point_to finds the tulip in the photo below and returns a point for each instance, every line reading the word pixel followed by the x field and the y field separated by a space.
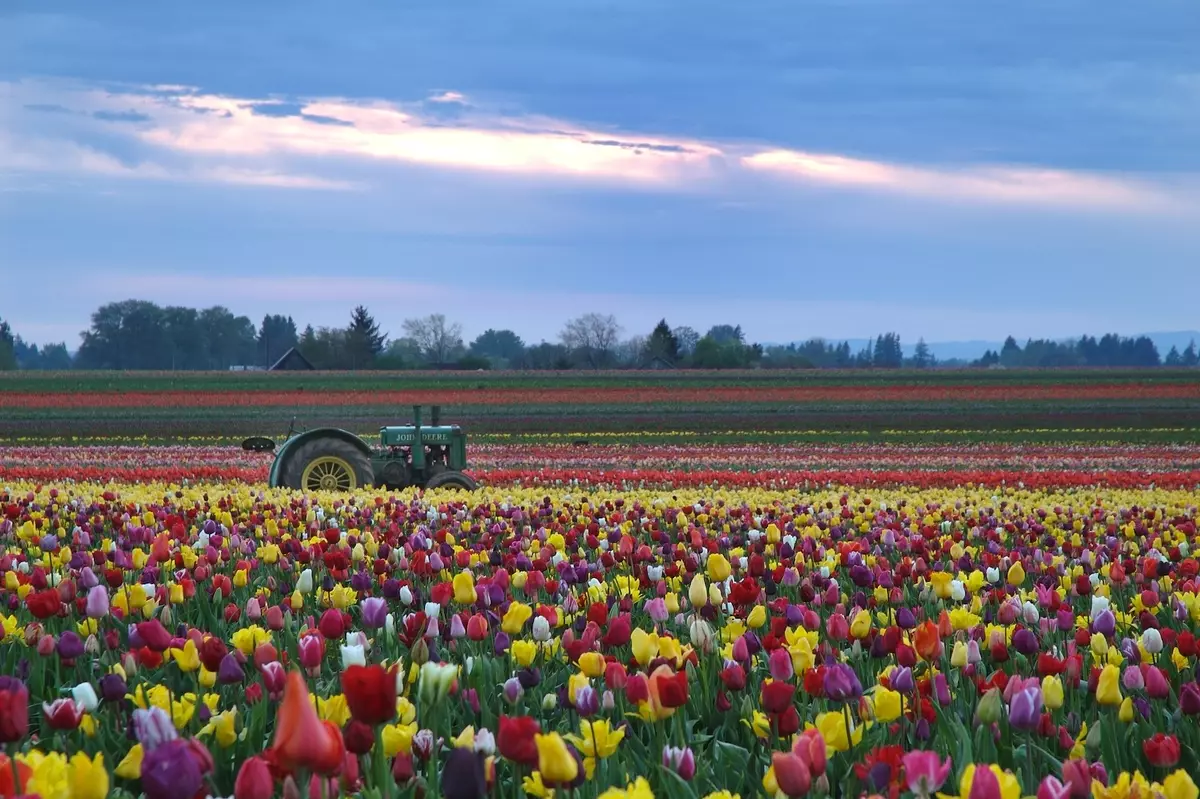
pixel 1161 750
pixel 302 740
pixel 791 773
pixel 62 714
pixel 370 693
pixel 97 602
pixel 374 612
pixel 463 775
pixel 926 772
pixel 14 710
pixel 841 683
pixel 254 780
pixel 680 760
pixel 1051 788
pixel 1025 710
pixel 1108 690
pixel 153 727
pixel 517 739
pixel 555 761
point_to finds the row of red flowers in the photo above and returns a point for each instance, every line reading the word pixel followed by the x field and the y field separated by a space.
pixel 611 395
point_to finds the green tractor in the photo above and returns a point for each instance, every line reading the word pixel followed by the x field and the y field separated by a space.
pixel 332 459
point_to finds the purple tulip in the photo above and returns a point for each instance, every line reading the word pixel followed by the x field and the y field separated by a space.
pixel 902 680
pixel 463 776
pixel 70 645
pixel 1024 641
pixel 841 683
pixel 905 619
pixel 1026 708
pixel 374 612
pixel 587 701
pixel 171 770
pixel 1105 623
pixel 113 688
pixel 153 728
pixel 229 671
pixel 97 602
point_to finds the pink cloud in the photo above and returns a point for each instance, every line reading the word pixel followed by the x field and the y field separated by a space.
pixel 998 184
pixel 195 136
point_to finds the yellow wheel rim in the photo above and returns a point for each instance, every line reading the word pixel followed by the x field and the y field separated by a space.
pixel 329 473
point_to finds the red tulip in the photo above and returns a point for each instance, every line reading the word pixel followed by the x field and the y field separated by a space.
pixel 370 693
pixel 515 739
pixel 1161 750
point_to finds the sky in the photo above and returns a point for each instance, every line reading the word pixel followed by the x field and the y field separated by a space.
pixel 955 171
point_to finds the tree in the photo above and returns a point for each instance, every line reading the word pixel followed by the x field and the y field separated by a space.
pixel 592 338
pixel 687 338
pixel 662 348
pixel 726 334
pixel 1189 357
pixel 922 357
pixel 276 335
pixel 230 340
pixel 549 356
pixel 125 335
pixel 363 339
pixel 8 349
pixel 887 354
pixel 502 348
pixel 438 341
pixel 1173 357
pixel 1010 353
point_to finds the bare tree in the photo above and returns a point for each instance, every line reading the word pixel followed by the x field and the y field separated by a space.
pixel 593 337
pixel 687 338
pixel 437 339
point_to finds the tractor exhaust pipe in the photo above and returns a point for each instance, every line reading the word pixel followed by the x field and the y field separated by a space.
pixel 435 414
pixel 417 416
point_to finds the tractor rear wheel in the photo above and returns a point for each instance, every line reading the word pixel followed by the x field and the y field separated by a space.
pixel 452 479
pixel 328 464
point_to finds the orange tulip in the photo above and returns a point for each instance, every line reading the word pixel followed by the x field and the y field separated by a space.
pixel 302 740
pixel 927 641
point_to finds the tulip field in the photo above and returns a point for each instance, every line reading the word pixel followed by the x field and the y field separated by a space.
pixel 985 590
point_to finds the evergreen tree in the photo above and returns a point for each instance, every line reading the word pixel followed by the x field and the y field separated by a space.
pixel 1173 357
pixel 1189 357
pixel 922 357
pixel 662 346
pixel 8 348
pixel 363 339
pixel 276 335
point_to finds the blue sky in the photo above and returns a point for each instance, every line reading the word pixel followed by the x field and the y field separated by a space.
pixel 943 169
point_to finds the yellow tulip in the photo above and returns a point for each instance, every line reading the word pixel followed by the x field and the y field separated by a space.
pixel 555 762
pixel 860 627
pixel 717 567
pixel 464 588
pixel 592 664
pixel 1052 692
pixel 1108 689
pixel 89 777
pixel 1016 574
pixel 698 591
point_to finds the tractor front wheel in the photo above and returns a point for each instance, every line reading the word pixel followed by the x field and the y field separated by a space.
pixel 328 464
pixel 452 479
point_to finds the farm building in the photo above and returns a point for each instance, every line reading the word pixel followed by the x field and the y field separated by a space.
pixel 292 361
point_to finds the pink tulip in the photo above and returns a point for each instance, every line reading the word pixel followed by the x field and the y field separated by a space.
pixel 926 771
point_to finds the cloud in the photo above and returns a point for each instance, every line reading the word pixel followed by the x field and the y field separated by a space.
pixel 999 184
pixel 185 134
pixel 448 97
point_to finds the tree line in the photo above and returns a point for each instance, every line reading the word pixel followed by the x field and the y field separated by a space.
pixel 1108 350
pixel 137 334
